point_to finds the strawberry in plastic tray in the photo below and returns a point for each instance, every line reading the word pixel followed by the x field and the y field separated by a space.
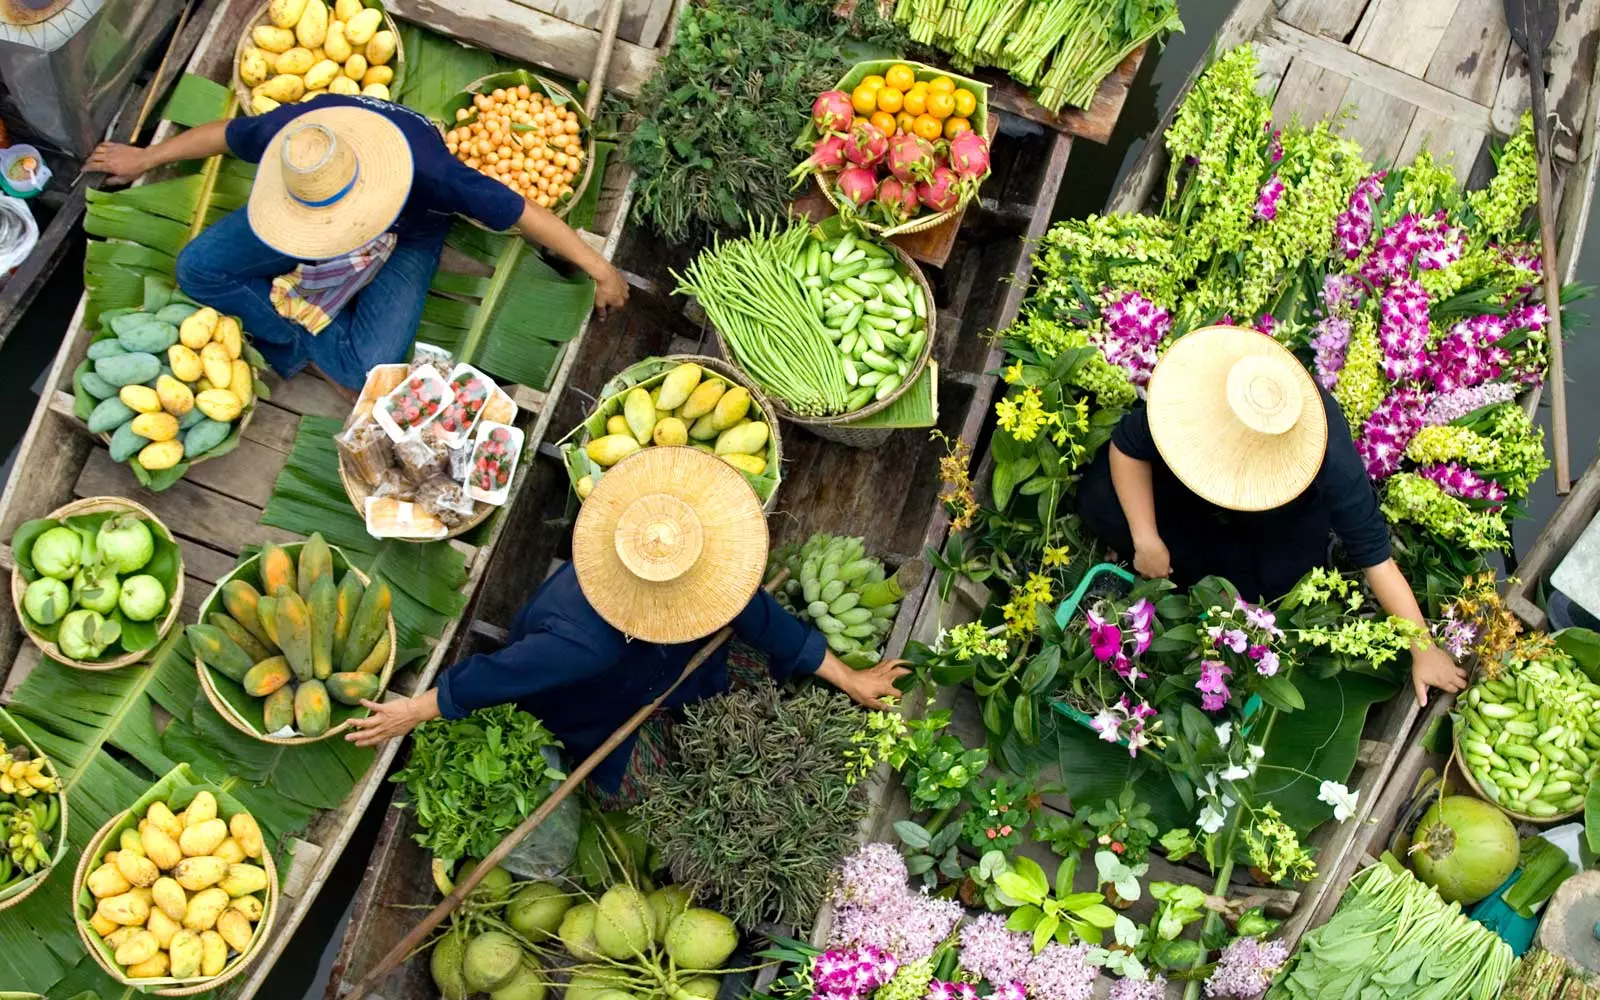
pixel 413 404
pixel 470 390
pixel 495 454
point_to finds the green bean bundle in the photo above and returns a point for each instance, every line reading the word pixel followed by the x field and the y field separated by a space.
pixel 749 292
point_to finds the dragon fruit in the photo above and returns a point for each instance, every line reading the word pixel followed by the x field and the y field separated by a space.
pixel 866 146
pixel 941 192
pixel 910 157
pixel 897 201
pixel 827 154
pixel 831 111
pixel 857 186
pixel 969 158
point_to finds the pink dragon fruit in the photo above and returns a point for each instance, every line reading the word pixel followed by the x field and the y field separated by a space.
pixel 941 192
pixel 897 201
pixel 910 157
pixel 827 154
pixel 866 146
pixel 831 111
pixel 857 186
pixel 969 158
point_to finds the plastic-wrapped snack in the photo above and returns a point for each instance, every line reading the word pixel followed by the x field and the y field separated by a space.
pixel 395 486
pixel 421 456
pixel 461 462
pixel 367 449
pixel 413 404
pixel 446 500
pixel 391 518
pixel 495 454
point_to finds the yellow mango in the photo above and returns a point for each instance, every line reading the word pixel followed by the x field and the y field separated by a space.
pixel 140 398
pixel 250 906
pixel 361 26
pixel 356 66
pixel 161 817
pixel 260 104
pixel 319 76
pixel 381 49
pixel 235 929
pixel 312 27
pixel 204 837
pixel 137 869
pixel 284 88
pixel 617 424
pixel 744 439
pixel 611 449
pixel 335 46
pixel 753 464
pixel 640 412
pixel 213 953
pixel 376 91
pixel 670 432
pixel 377 75
pixel 272 39
pixel 107 880
pixel 317 55
pixel 253 66
pixel 731 408
pixel 161 455
pixel 677 386
pixel 159 847
pixel 344 85
pixel 129 840
pixel 204 909
pixel 285 13
pixel 219 404
pixel 297 61
pixel 141 946
pixel 154 967
pixel 186 364
pixel 164 926
pixel 244 829
pixel 344 10
pixel 243 383
pixel 229 335
pixel 159 426
pixel 129 909
pixel 103 925
pixel 242 880
pixel 202 809
pixel 230 851
pixel 199 873
pixel 184 953
pixel 702 400
pixel 218 366
pixel 169 897
pixel 176 398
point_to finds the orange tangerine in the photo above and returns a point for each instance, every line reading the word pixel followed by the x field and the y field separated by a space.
pixel 916 100
pixel 928 127
pixel 901 77
pixel 941 105
pixel 941 84
pixel 872 80
pixel 904 121
pixel 955 125
pixel 885 122
pixel 890 99
pixel 858 120
pixel 864 99
pixel 966 103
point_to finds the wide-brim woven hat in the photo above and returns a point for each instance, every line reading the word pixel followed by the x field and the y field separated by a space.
pixel 1237 418
pixel 671 545
pixel 330 181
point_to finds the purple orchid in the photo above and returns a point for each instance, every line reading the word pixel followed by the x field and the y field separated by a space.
pixel 1267 199
pixel 1212 685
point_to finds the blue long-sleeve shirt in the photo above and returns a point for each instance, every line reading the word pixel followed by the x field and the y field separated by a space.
pixel 583 678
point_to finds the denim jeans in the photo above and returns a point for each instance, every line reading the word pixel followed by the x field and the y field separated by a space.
pixel 228 268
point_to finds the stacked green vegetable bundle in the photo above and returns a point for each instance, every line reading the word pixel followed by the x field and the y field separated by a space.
pixel 1063 48
pixel 825 324
pixel 848 595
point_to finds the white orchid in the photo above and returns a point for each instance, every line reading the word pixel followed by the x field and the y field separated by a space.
pixel 1342 799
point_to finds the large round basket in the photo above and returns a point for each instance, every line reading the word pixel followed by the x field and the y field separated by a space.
pixel 11 733
pixel 1459 763
pixel 260 17
pixel 838 428
pixel 513 78
pixel 242 711
pixel 100 505
pixel 650 371
pixel 95 948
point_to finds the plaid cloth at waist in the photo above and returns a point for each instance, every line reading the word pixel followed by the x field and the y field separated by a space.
pixel 313 294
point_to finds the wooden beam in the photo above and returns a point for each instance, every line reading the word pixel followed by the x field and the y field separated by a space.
pixel 1095 123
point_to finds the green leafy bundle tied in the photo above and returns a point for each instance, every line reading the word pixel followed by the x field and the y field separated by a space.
pixel 472 780
pixel 758 804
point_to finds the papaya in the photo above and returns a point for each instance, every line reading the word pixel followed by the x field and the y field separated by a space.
pixel 371 620
pixel 351 688
pixel 378 658
pixel 266 677
pixel 218 651
pixel 324 612
pixel 277 710
pixel 316 561
pixel 311 708
pixel 345 604
pixel 294 633
pixel 268 608
pixel 241 599
pixel 242 637
pixel 277 570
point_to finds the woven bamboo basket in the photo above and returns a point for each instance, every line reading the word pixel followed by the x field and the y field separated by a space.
pixel 259 18
pixel 578 464
pixel 1459 764
pixel 168 987
pixel 231 713
pixel 97 505
pixel 487 84
pixel 11 733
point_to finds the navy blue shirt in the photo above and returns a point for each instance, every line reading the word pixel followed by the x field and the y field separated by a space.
pixel 583 678
pixel 441 185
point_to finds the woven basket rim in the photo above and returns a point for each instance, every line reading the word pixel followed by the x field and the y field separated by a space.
pixel 94 505
pixel 224 709
pixel 258 937
pixel 1477 790
pixel 34 881
pixel 258 18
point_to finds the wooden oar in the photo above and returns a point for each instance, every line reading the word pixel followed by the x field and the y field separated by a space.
pixel 464 888
pixel 1533 25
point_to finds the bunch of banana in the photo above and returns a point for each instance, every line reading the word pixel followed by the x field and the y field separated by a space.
pixel 845 593
pixel 25 830
pixel 23 777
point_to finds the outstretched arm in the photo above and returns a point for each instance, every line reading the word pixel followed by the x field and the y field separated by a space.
pixel 1430 665
pixel 126 164
pixel 541 226
pixel 1132 479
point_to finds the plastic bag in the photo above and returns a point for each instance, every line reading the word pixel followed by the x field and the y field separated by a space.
pixel 548 851
pixel 368 450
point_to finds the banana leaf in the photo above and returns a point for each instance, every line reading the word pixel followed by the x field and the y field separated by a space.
pixel 437 68
pixel 918 406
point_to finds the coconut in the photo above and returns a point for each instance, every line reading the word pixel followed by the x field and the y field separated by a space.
pixel 497 881
pixel 536 910
pixel 577 931
pixel 665 905
pixel 527 983
pixel 445 964
pixel 615 995
pixel 492 959
pixel 1464 848
pixel 701 939
pixel 624 924
pixel 596 983
pixel 704 987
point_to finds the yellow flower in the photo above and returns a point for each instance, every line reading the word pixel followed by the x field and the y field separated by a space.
pixel 1023 414
pixel 1013 375
pixel 1057 555
pixel 1022 611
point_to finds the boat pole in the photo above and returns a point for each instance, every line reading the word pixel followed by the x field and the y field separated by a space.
pixel 463 888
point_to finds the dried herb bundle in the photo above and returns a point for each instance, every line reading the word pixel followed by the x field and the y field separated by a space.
pixel 758 804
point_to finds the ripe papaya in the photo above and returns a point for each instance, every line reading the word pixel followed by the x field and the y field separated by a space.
pixel 266 677
pixel 218 651
pixel 252 646
pixel 268 608
pixel 371 620
pixel 277 711
pixel 316 561
pixel 348 599
pixel 324 611
pixel 311 708
pixel 241 600
pixel 378 658
pixel 350 688
pixel 294 633
pixel 277 570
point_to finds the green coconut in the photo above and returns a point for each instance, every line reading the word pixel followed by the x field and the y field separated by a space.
pixel 624 925
pixel 665 905
pixel 594 984
pixel 577 931
pixel 445 964
pixel 536 910
pixel 497 881
pixel 615 995
pixel 527 983
pixel 492 959
pixel 1464 847
pixel 704 987
pixel 700 939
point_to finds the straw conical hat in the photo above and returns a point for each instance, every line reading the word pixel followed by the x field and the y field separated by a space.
pixel 1237 418
pixel 671 545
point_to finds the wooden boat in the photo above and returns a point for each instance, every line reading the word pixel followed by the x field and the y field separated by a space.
pixel 215 510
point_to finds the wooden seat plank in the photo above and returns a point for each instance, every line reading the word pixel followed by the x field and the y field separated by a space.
pixel 203 562
pixel 273 426
pixel 1310 91
pixel 1469 57
pixel 307 394
pixel 246 473
pixel 1449 141
pixel 1382 120
pixel 1404 34
pixel 1332 18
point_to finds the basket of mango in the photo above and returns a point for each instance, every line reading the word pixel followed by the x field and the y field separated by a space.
pixel 294 50
pixel 680 400
pixel 175 895
pixel 167 385
pixel 293 641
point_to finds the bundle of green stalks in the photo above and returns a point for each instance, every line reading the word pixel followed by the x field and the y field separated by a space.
pixel 1546 976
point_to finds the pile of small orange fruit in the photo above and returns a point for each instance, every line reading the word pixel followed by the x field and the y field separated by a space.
pixel 897 101
pixel 522 139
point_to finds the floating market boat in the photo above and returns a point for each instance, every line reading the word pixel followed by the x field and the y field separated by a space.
pixel 220 508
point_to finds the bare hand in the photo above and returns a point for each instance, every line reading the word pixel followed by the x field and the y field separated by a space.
pixel 870 686
pixel 1152 560
pixel 1433 667
pixel 124 164
pixel 610 291
pixel 388 720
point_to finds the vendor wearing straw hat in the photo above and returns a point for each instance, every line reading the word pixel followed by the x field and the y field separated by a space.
pixel 1240 467
pixel 670 547
pixel 330 262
